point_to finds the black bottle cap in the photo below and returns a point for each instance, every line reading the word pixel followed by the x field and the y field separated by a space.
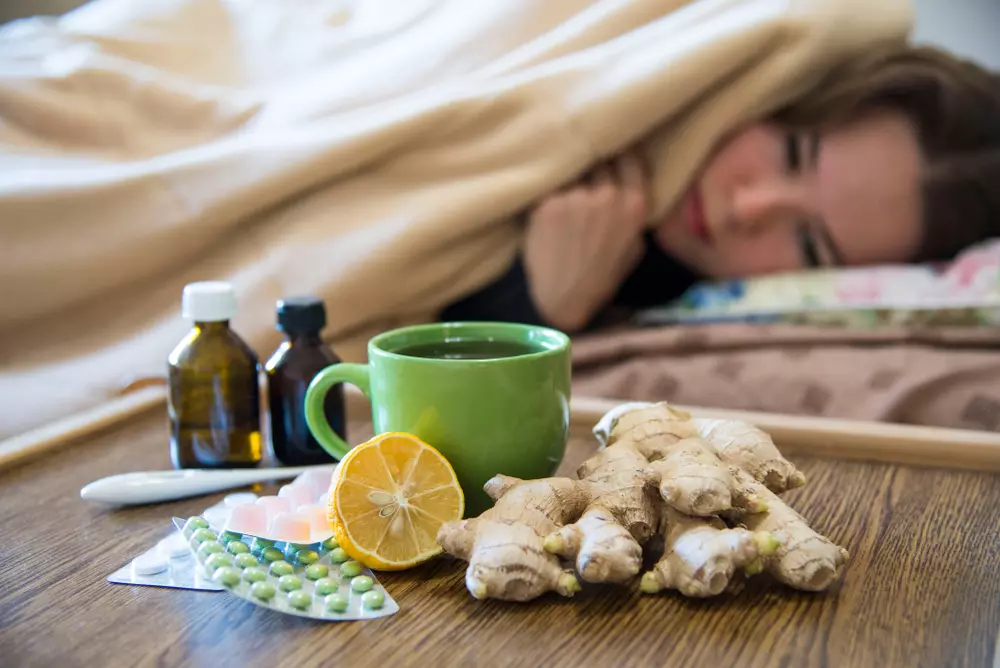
pixel 301 315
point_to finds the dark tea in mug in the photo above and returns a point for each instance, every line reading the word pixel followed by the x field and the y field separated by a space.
pixel 469 349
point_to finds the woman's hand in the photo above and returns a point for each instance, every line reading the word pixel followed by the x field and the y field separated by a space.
pixel 582 243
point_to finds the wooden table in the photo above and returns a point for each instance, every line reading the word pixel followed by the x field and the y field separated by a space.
pixel 922 587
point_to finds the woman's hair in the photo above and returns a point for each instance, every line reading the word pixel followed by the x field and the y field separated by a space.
pixel 955 105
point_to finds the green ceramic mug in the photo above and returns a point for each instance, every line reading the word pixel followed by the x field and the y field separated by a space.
pixel 491 397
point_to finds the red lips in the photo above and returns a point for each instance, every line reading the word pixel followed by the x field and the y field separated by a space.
pixel 694 215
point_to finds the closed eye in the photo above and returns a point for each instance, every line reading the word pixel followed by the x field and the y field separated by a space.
pixel 793 153
pixel 808 246
pixel 806 233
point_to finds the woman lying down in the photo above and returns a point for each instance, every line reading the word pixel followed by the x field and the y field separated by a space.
pixel 892 159
pixel 379 160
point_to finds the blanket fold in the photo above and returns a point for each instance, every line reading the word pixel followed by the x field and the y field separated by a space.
pixel 936 377
pixel 372 153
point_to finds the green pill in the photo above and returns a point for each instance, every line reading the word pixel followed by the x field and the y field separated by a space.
pixel 362 583
pixel 202 535
pixel 227 576
pixel 299 599
pixel 227 536
pixel 254 574
pixel 292 548
pixel 326 586
pixel 245 560
pixel 193 524
pixel 350 569
pixel 237 547
pixel 336 602
pixel 316 571
pixel 373 600
pixel 262 590
pixel 218 560
pixel 306 557
pixel 209 547
pixel 338 556
pixel 271 554
pixel 260 544
pixel 279 568
pixel 289 583
pixel 330 543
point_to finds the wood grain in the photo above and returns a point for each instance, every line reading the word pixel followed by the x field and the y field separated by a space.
pixel 921 589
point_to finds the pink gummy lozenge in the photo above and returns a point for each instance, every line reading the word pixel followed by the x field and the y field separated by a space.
pixel 291 527
pixel 275 505
pixel 318 480
pixel 248 518
pixel 298 494
pixel 317 518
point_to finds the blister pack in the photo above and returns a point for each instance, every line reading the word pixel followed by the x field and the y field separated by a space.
pixel 169 563
pixel 316 580
pixel 275 551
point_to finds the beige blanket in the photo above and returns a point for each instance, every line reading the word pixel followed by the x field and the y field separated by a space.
pixel 371 152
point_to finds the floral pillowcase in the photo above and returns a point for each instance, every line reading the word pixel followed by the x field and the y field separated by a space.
pixel 964 292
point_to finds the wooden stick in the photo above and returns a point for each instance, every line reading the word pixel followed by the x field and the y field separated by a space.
pixel 37 442
pixel 843 439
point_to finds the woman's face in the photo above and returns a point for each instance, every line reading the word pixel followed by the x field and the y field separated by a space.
pixel 769 200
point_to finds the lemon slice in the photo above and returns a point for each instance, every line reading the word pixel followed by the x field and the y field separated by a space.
pixel 388 499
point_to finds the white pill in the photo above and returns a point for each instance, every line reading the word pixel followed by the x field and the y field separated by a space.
pixel 149 564
pixel 173 546
pixel 239 499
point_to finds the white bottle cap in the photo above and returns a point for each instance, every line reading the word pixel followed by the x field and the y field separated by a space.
pixel 208 301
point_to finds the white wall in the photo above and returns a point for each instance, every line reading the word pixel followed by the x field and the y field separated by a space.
pixel 969 28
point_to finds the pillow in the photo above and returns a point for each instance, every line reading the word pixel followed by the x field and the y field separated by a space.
pixel 964 292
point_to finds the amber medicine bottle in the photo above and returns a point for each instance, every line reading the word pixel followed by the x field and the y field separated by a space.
pixel 213 399
pixel 289 371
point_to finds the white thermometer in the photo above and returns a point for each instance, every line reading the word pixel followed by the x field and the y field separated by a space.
pixel 140 487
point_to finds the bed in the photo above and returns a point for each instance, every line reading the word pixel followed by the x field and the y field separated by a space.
pixel 915 345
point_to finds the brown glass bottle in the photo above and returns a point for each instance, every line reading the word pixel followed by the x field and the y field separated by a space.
pixel 289 371
pixel 214 396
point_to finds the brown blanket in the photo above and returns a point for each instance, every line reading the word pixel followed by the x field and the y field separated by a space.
pixel 948 377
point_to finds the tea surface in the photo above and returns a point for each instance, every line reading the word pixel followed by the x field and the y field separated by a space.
pixel 469 349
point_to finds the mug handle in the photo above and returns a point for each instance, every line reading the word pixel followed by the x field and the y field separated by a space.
pixel 355 374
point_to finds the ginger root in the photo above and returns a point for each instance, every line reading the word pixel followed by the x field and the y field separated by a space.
pixel 504 545
pixel 660 469
pixel 694 478
pixel 622 514
pixel 750 449
pixel 804 559
pixel 702 554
